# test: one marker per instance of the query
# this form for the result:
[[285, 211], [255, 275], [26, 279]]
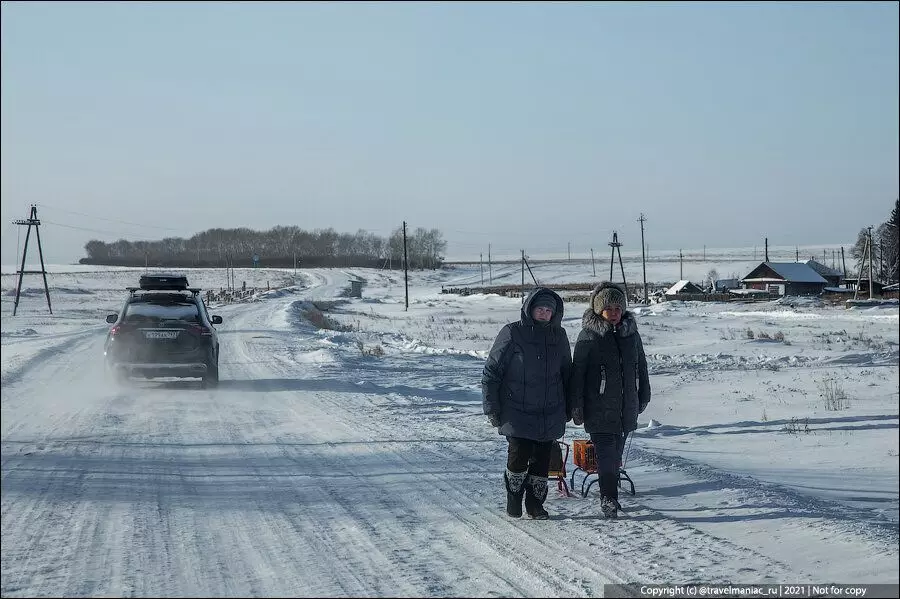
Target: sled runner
[[558, 466], [585, 460]]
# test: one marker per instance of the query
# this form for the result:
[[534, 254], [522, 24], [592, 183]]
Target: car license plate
[[160, 334]]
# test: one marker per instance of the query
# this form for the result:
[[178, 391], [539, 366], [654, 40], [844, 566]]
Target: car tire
[[211, 376]]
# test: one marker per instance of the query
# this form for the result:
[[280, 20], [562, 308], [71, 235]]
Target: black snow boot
[[609, 494], [514, 482], [535, 495]]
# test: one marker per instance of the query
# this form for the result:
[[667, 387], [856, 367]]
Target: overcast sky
[[523, 125]]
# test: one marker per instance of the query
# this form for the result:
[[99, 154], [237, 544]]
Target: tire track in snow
[[715, 553]]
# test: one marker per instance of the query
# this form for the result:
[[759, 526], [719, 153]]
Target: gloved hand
[[495, 420], [577, 416], [642, 407]]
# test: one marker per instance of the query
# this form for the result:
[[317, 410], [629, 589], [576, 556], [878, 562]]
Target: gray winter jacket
[[526, 375], [609, 374]]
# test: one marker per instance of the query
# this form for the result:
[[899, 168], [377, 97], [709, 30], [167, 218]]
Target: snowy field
[[354, 460]]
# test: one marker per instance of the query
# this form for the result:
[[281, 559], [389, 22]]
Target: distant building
[[683, 287], [833, 276], [725, 285], [785, 278], [863, 285]]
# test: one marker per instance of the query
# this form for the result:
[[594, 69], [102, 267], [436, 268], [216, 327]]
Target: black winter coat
[[609, 374], [525, 377]]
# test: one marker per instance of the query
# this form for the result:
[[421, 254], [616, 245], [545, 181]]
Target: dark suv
[[163, 330]]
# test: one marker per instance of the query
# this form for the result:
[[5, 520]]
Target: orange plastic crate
[[583, 455]]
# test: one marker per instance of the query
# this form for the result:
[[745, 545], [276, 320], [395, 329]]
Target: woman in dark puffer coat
[[524, 390], [610, 385]]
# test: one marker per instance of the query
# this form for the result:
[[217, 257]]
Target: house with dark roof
[[832, 275], [785, 278]]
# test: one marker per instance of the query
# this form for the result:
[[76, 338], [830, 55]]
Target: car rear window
[[147, 312]]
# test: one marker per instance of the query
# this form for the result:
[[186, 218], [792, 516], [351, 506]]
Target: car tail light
[[201, 330], [115, 330]]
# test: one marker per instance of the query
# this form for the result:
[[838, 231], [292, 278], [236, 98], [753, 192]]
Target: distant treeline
[[278, 247]]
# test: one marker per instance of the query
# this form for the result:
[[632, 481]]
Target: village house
[[785, 278], [682, 288]]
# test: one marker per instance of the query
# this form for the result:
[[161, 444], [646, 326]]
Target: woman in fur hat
[[610, 385], [524, 394]]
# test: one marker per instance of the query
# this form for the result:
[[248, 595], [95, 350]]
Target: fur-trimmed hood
[[590, 321]]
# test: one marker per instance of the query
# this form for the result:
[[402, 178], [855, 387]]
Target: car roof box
[[162, 281]]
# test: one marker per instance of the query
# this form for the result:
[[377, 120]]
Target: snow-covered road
[[312, 471]]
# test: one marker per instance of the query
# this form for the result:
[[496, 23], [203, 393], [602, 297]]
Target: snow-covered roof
[[794, 272], [680, 285]]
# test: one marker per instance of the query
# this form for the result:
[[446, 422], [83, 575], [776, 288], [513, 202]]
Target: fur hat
[[608, 294]]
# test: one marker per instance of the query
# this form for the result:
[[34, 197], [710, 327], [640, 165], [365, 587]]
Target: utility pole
[[481, 266], [797, 252], [32, 221], [861, 266], [523, 276], [490, 271], [844, 262], [704, 252], [594, 268], [615, 245], [405, 268], [680, 266], [871, 277], [767, 249], [644, 256], [569, 249]]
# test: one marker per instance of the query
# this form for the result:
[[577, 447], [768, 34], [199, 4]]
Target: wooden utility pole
[[523, 275], [31, 221], [644, 257], [871, 276], [861, 266], [767, 249], [569, 249], [844, 262], [490, 271], [797, 253], [615, 245], [405, 268], [680, 266], [594, 268], [481, 266]]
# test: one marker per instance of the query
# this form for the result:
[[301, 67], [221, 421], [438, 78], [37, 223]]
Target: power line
[[113, 220], [47, 222]]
